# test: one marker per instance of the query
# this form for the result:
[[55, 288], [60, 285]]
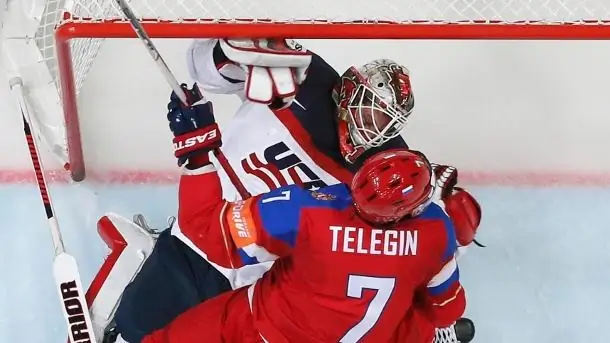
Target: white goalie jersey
[[267, 149], [272, 148]]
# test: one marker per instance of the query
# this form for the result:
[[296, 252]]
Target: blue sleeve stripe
[[434, 211], [280, 212], [245, 258], [451, 239], [445, 285]]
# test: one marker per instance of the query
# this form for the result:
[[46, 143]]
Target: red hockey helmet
[[392, 185]]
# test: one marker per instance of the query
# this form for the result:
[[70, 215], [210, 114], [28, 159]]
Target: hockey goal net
[[67, 34]]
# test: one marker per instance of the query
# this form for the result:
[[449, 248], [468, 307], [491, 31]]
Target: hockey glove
[[461, 206], [446, 179], [274, 68], [194, 127]]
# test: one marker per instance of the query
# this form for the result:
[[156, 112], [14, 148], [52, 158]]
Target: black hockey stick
[[65, 269]]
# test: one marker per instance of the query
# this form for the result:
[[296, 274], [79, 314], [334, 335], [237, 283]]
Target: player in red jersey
[[373, 262], [367, 109]]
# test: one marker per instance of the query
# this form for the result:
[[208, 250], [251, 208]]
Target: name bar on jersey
[[373, 241]]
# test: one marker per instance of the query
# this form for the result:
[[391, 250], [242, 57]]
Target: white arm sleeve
[[203, 70]]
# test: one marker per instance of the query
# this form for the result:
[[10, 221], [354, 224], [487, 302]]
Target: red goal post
[[70, 32]]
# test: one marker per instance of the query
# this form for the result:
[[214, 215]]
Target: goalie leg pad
[[173, 279], [130, 245]]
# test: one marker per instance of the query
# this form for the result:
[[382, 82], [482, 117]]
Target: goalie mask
[[374, 102]]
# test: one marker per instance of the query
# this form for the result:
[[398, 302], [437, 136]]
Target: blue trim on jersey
[[336, 197], [280, 214], [435, 212], [245, 258], [443, 287]]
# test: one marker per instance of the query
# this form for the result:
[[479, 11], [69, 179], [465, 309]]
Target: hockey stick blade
[[72, 295]]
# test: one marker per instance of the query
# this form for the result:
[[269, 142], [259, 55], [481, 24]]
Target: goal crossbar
[[68, 34]]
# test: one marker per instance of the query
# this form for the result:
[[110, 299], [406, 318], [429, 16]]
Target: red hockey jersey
[[336, 278]]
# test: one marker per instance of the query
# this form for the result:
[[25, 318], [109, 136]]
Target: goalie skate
[[460, 332], [130, 243]]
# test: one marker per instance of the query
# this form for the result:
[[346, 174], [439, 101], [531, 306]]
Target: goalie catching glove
[[274, 68], [461, 206], [194, 127]]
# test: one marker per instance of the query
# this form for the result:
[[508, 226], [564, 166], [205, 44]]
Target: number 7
[[285, 196], [355, 285]]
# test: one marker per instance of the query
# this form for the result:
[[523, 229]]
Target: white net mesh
[[408, 12], [588, 12], [349, 10]]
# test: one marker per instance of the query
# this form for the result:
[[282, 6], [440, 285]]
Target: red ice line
[[171, 177]]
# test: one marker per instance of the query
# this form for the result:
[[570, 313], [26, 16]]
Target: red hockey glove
[[465, 213], [461, 206]]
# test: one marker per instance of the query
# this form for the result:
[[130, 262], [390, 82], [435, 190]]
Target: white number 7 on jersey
[[355, 285], [285, 196]]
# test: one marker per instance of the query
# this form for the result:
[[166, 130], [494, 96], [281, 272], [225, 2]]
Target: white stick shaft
[[65, 270], [152, 50], [58, 244], [171, 80]]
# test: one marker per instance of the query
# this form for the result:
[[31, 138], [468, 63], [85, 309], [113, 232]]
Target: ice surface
[[544, 276]]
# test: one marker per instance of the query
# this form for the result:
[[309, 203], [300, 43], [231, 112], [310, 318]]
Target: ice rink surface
[[501, 106], [544, 276]]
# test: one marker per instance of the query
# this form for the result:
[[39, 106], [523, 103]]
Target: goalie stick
[[138, 27], [65, 269]]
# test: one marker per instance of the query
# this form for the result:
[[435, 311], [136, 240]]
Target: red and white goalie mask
[[374, 102]]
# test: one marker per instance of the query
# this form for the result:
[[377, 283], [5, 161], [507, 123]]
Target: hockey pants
[[173, 279]]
